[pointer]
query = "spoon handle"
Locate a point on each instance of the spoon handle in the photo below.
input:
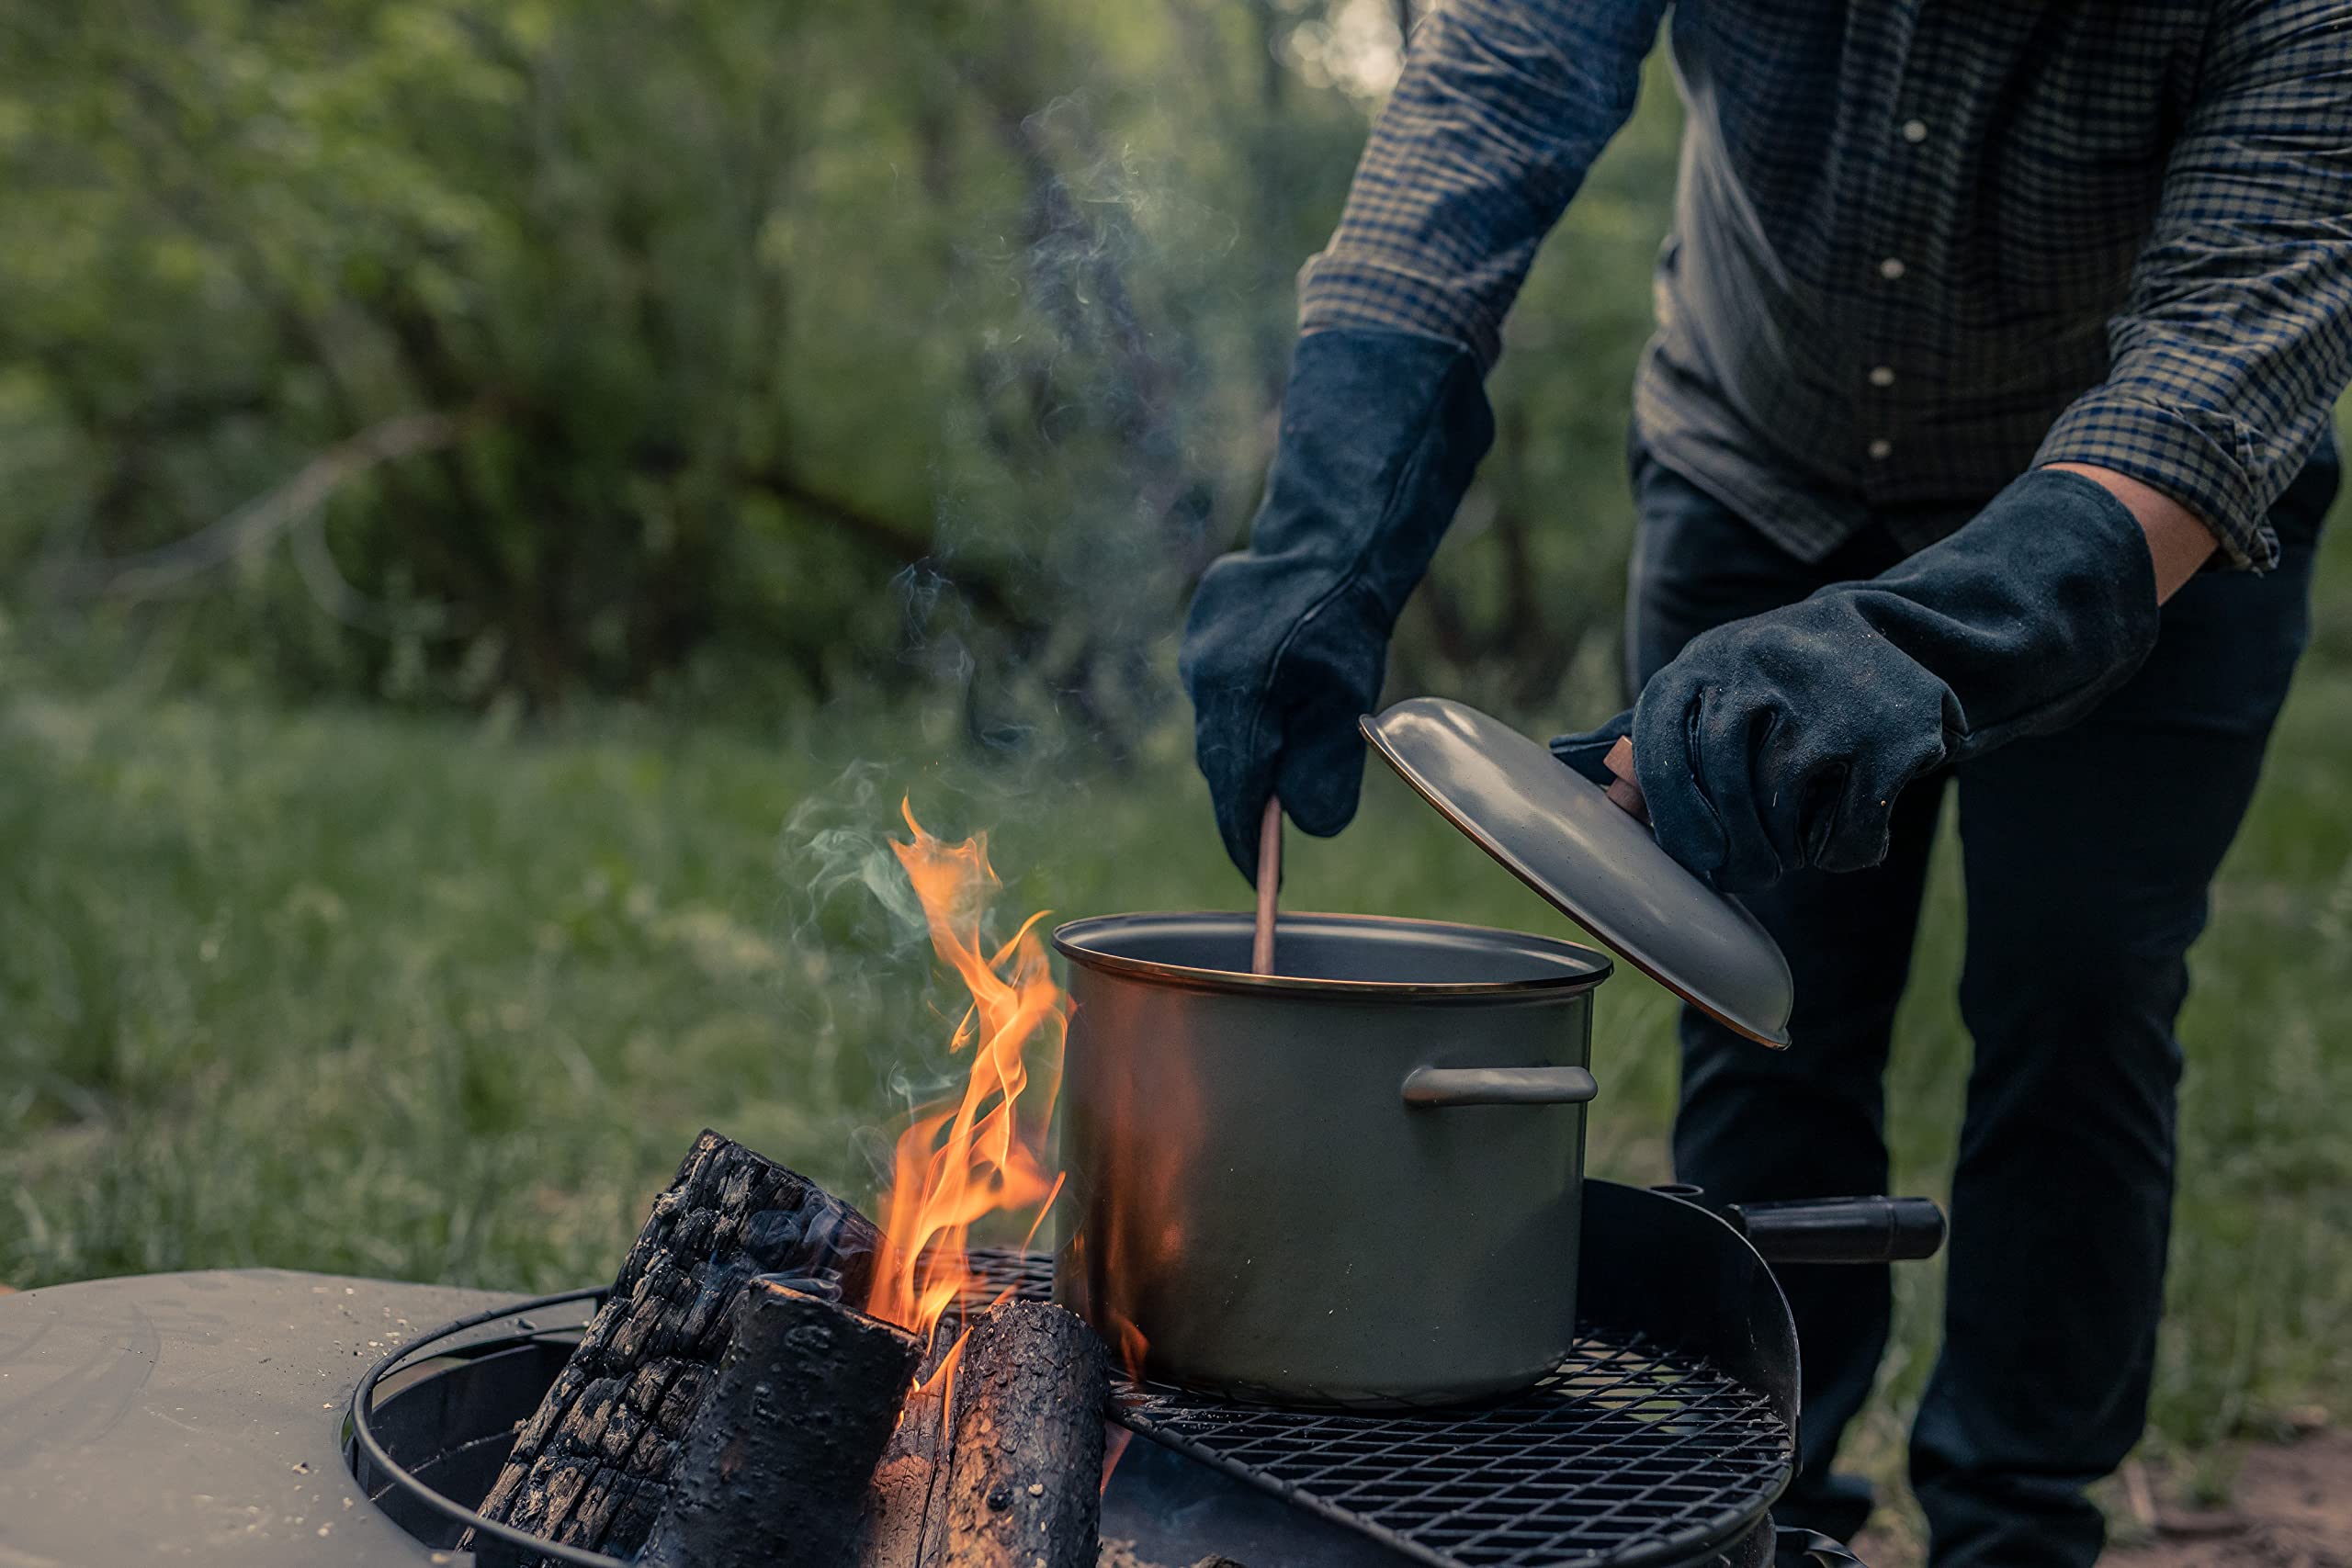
(1270, 882)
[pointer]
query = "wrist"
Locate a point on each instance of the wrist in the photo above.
(2179, 542)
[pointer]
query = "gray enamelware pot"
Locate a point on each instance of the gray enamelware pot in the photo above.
(1356, 1181)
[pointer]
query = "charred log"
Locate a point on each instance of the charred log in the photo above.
(730, 1419)
(906, 1503)
(776, 1461)
(1000, 1463)
(1024, 1463)
(592, 1466)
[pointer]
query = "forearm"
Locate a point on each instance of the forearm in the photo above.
(1503, 106)
(2235, 340)
(2179, 542)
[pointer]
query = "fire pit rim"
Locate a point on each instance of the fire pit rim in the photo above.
(366, 1448)
(1591, 966)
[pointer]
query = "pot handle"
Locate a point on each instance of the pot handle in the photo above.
(1816, 1546)
(1430, 1089)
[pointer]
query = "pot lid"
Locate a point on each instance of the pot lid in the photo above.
(1599, 866)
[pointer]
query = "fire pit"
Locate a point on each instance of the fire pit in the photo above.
(1662, 1438)
(212, 1416)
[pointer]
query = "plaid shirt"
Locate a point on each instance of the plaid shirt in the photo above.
(1919, 247)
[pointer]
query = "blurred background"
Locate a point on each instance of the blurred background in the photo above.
(498, 501)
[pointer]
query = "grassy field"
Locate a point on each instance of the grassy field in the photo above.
(347, 991)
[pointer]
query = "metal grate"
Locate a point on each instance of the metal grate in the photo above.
(1627, 1456)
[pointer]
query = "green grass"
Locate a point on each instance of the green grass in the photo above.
(358, 992)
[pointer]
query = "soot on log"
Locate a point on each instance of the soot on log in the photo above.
(1006, 1471)
(777, 1460)
(592, 1466)
(1024, 1457)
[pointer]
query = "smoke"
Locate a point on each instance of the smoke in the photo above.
(836, 861)
(1102, 349)
(875, 994)
(1081, 479)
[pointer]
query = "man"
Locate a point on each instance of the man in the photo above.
(1983, 441)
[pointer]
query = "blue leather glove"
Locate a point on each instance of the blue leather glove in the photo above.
(1288, 639)
(1782, 740)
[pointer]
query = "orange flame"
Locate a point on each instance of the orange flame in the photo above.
(983, 1152)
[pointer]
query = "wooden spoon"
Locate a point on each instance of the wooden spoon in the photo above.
(1270, 882)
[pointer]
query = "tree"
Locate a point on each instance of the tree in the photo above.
(599, 347)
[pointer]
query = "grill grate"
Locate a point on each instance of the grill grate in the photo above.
(1627, 1456)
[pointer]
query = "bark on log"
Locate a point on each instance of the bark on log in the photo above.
(776, 1463)
(592, 1467)
(1024, 1459)
(906, 1504)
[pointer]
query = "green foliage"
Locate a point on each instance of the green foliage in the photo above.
(792, 348)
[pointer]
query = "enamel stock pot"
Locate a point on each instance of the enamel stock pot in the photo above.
(1356, 1181)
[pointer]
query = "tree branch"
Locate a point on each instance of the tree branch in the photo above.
(892, 539)
(155, 574)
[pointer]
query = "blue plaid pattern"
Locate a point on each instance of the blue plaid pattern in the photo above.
(1919, 246)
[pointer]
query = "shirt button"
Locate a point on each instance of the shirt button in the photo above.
(1891, 268)
(1881, 449)
(1883, 376)
(1914, 130)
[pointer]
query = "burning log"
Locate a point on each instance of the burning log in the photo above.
(960, 1159)
(1007, 1471)
(906, 1505)
(1025, 1462)
(725, 1417)
(776, 1463)
(1003, 1473)
(591, 1467)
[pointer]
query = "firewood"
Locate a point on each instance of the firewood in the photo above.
(592, 1467)
(906, 1504)
(1024, 1459)
(776, 1463)
(1028, 1395)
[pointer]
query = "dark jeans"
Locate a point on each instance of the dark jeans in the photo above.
(2088, 856)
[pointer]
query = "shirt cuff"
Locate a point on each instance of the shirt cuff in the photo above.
(2204, 461)
(1339, 290)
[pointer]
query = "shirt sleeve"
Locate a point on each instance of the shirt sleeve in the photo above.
(1502, 106)
(2237, 337)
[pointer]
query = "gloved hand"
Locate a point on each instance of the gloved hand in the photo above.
(1781, 740)
(1287, 641)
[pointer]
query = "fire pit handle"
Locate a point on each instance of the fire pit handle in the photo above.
(1430, 1089)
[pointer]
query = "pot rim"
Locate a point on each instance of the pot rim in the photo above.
(1068, 941)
